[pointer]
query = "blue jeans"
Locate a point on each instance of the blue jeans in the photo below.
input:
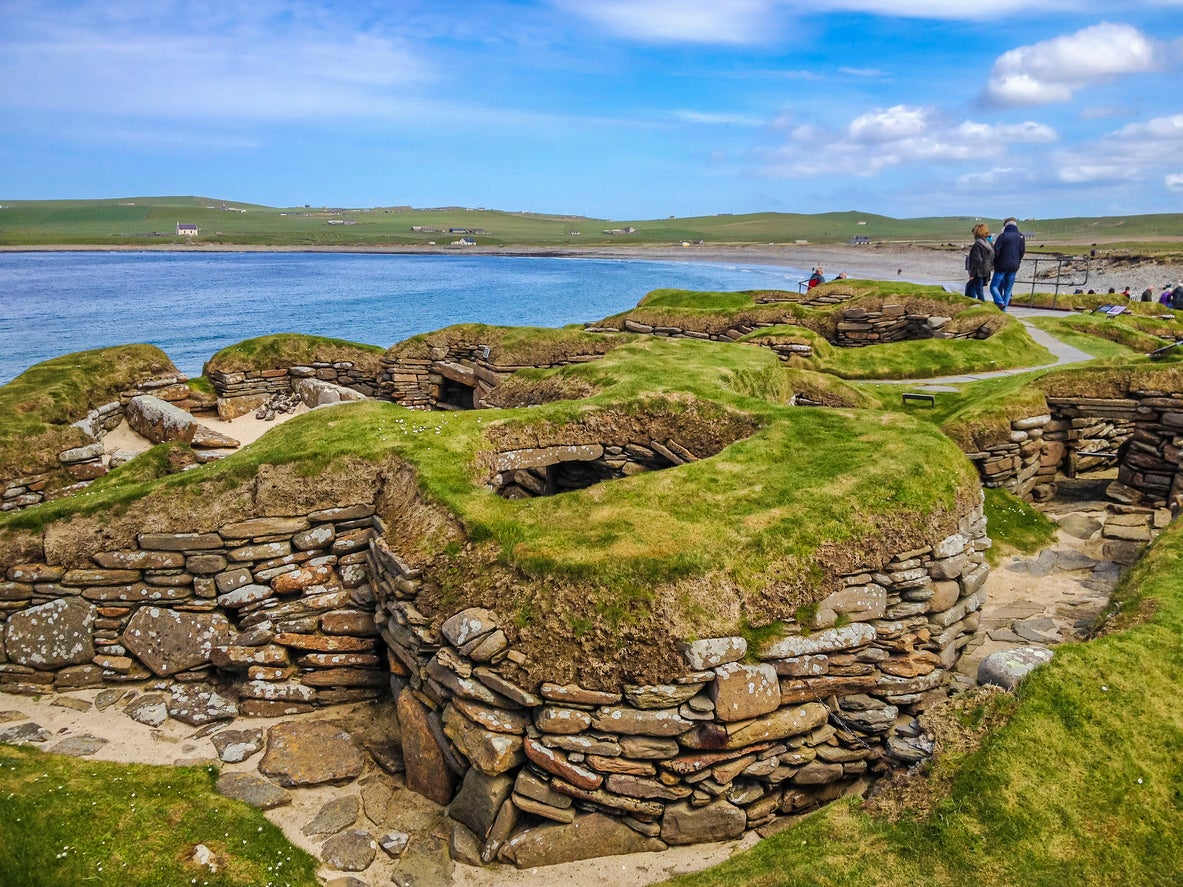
(976, 288)
(1000, 287)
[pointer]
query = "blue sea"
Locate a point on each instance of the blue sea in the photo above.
(191, 306)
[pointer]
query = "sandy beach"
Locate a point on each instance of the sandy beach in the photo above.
(940, 264)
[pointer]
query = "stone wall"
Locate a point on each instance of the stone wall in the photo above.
(84, 463)
(244, 392)
(1141, 434)
(452, 377)
(278, 608)
(539, 774)
(856, 328)
(860, 327)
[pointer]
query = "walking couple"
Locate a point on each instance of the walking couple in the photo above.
(996, 262)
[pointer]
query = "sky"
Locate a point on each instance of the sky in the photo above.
(615, 109)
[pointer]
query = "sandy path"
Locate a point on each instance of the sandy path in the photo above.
(245, 429)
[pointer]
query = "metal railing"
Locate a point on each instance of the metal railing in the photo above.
(1058, 271)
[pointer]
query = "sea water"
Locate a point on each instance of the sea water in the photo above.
(193, 305)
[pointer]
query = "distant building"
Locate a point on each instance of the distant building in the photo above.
(186, 230)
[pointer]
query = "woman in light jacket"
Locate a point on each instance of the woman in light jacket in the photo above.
(979, 264)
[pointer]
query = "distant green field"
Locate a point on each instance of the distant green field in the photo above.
(153, 220)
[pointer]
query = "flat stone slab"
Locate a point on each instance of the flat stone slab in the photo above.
(351, 851)
(1006, 668)
(235, 746)
(253, 790)
(150, 709)
(304, 753)
(23, 734)
(78, 746)
(198, 704)
(335, 816)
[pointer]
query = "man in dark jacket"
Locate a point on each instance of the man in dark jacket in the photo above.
(1008, 255)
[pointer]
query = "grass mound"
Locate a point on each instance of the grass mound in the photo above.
(37, 407)
(508, 346)
(292, 349)
(784, 321)
(1120, 336)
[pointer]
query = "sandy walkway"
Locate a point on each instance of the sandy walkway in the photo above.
(245, 429)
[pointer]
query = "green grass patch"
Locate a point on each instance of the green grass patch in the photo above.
(284, 350)
(1014, 525)
(37, 407)
(1081, 785)
(1107, 337)
(68, 822)
(140, 221)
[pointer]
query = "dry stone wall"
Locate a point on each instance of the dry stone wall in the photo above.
(1141, 434)
(457, 376)
(536, 774)
(244, 392)
(85, 463)
(860, 327)
(279, 609)
(856, 328)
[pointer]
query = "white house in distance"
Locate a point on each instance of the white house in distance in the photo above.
(184, 229)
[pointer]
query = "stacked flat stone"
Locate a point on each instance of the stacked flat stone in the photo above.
(1141, 433)
(535, 775)
(455, 376)
(1024, 464)
(546, 471)
(1148, 470)
(860, 327)
(818, 297)
(244, 392)
(278, 607)
(731, 334)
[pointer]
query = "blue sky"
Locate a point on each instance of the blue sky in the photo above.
(622, 109)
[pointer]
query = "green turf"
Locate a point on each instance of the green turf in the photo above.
(69, 822)
(152, 221)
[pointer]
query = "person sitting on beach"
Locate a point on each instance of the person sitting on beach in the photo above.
(1126, 292)
(1176, 301)
(979, 264)
(1148, 295)
(816, 277)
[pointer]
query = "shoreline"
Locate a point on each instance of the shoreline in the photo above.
(922, 262)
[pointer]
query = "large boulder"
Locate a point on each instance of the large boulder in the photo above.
(317, 393)
(162, 422)
(52, 635)
(306, 753)
(170, 641)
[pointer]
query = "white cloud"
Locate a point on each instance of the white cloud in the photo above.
(750, 21)
(1134, 152)
(708, 118)
(678, 21)
(1174, 181)
(273, 64)
(890, 137)
(861, 72)
(1054, 70)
